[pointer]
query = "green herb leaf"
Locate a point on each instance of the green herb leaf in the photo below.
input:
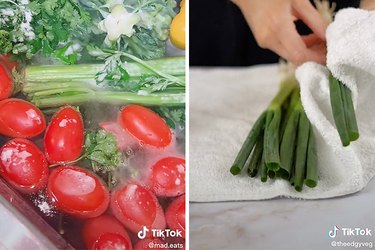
(101, 147)
(152, 84)
(113, 73)
(149, 40)
(63, 53)
(173, 116)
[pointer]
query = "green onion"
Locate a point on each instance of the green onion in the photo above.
(288, 141)
(294, 98)
(272, 128)
(350, 118)
(271, 139)
(263, 170)
(253, 161)
(294, 159)
(248, 145)
(338, 110)
(291, 180)
(301, 150)
(311, 163)
(288, 145)
(271, 174)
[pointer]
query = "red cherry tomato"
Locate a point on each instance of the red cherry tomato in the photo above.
(117, 131)
(167, 177)
(105, 233)
(19, 118)
(154, 244)
(63, 141)
(136, 206)
(175, 215)
(78, 192)
(112, 241)
(6, 83)
(145, 125)
(10, 64)
(23, 165)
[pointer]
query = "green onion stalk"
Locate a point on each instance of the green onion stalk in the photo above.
(343, 111)
(281, 143)
(52, 86)
(267, 123)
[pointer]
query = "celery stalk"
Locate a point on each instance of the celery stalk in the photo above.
(65, 73)
(52, 86)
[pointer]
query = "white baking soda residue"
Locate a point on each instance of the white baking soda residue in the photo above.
(41, 201)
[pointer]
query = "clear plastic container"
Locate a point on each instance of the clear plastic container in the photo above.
(21, 227)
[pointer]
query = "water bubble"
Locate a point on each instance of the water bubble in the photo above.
(129, 152)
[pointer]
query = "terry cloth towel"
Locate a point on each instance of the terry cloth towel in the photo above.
(225, 102)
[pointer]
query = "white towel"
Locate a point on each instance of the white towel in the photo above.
(226, 102)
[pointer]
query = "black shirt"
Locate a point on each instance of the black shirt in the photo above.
(220, 36)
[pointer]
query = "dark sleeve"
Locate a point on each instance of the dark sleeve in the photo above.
(220, 36)
(340, 4)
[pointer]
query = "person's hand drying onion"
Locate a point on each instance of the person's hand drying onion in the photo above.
(272, 23)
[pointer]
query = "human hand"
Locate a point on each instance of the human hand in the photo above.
(367, 4)
(272, 23)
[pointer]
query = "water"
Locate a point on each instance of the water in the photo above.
(136, 165)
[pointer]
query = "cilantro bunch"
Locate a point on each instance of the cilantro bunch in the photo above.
(54, 27)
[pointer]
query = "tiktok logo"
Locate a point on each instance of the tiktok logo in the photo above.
(158, 233)
(332, 233)
(142, 233)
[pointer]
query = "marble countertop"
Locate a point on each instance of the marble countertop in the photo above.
(283, 223)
